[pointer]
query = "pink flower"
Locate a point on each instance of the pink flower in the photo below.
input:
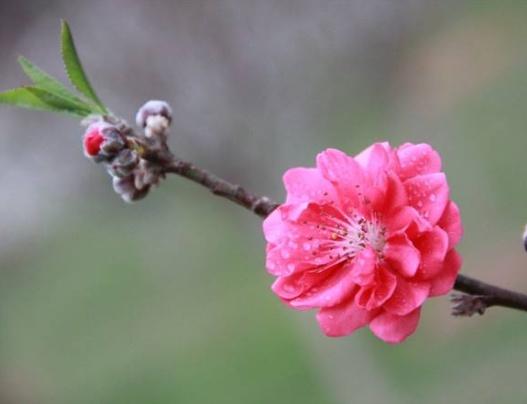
(365, 239)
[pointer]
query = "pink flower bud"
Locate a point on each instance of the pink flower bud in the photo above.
(92, 142)
(151, 109)
(102, 141)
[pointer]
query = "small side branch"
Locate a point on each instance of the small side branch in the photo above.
(480, 295)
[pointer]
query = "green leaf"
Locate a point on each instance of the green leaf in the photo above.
(39, 99)
(47, 82)
(74, 67)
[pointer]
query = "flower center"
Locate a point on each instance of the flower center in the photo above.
(358, 234)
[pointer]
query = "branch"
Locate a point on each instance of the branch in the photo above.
(260, 205)
(476, 295)
(483, 296)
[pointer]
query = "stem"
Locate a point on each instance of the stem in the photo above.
(482, 295)
(495, 296)
(260, 205)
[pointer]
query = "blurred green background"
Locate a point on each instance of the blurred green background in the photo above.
(167, 300)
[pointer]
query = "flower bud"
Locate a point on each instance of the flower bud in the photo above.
(92, 143)
(146, 116)
(146, 175)
(126, 188)
(102, 141)
(124, 163)
(157, 126)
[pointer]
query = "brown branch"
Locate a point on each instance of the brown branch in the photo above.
(477, 295)
(485, 295)
(260, 205)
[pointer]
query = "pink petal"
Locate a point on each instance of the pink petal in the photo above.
(386, 283)
(395, 194)
(433, 246)
(401, 255)
(335, 289)
(372, 296)
(375, 159)
(395, 329)
(289, 287)
(444, 281)
(364, 296)
(303, 238)
(363, 267)
(273, 226)
(400, 219)
(428, 194)
(341, 320)
(418, 159)
(344, 172)
(407, 297)
(307, 185)
(451, 223)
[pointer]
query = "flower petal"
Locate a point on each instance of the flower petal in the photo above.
(307, 185)
(451, 223)
(407, 297)
(302, 238)
(273, 226)
(428, 194)
(343, 319)
(444, 281)
(289, 287)
(433, 246)
(395, 329)
(363, 267)
(418, 159)
(344, 172)
(375, 159)
(330, 292)
(395, 195)
(371, 296)
(400, 219)
(385, 287)
(401, 254)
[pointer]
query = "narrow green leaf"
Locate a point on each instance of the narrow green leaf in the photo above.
(74, 67)
(44, 81)
(39, 99)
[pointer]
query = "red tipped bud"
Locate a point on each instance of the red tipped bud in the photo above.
(102, 141)
(92, 142)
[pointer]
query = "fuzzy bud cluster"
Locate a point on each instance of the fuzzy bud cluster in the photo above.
(115, 145)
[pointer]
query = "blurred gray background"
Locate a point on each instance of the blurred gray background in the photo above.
(167, 300)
